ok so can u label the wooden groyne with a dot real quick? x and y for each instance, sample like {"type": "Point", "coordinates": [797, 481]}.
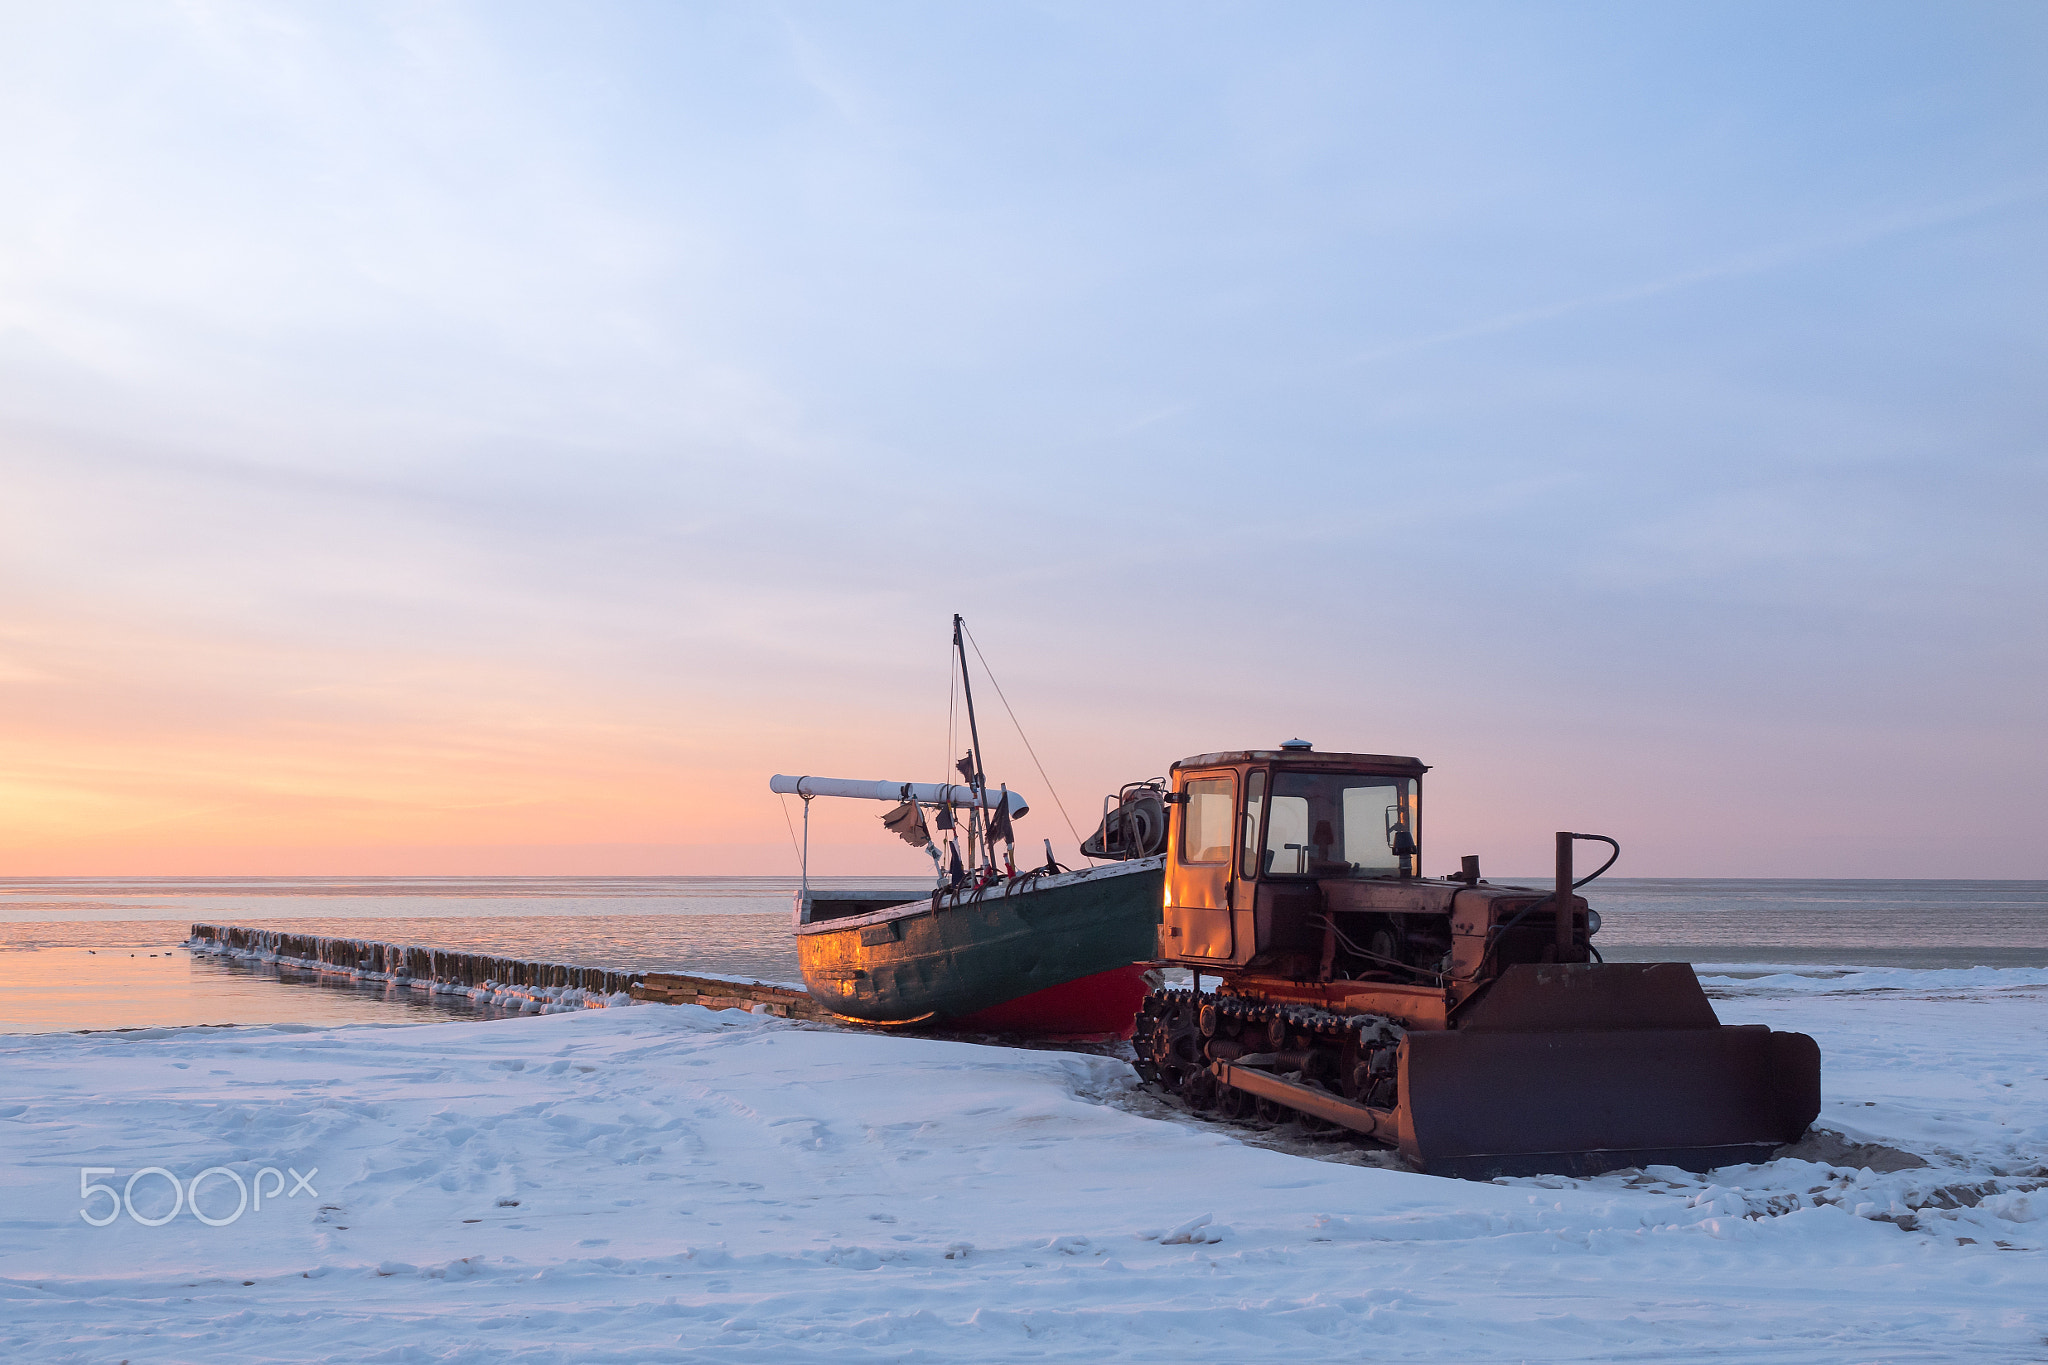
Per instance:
{"type": "Point", "coordinates": [437, 966]}
{"type": "Point", "coordinates": [503, 979]}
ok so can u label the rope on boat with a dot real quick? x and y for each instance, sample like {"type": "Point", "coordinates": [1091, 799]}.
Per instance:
{"type": "Point", "coordinates": [1021, 735]}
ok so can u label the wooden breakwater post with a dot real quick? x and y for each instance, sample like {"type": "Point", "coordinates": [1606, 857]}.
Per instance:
{"type": "Point", "coordinates": [447, 969]}
{"type": "Point", "coordinates": [670, 988]}
{"type": "Point", "coordinates": [415, 962]}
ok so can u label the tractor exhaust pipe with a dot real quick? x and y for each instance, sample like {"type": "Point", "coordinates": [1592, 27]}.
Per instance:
{"type": "Point", "coordinates": [1564, 896]}
{"type": "Point", "coordinates": [1567, 949]}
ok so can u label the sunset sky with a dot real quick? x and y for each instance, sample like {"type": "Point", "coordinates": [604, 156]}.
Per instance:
{"type": "Point", "coordinates": [494, 438]}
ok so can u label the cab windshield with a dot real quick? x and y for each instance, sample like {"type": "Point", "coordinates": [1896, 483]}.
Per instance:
{"type": "Point", "coordinates": [1336, 824]}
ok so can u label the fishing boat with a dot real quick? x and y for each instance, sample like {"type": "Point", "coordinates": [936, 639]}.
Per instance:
{"type": "Point", "coordinates": [1047, 952]}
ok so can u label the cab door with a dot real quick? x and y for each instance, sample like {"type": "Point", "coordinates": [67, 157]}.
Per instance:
{"type": "Point", "coordinates": [1197, 922]}
{"type": "Point", "coordinates": [1244, 898]}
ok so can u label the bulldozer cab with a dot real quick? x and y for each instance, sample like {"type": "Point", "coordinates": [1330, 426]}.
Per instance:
{"type": "Point", "coordinates": [1254, 832]}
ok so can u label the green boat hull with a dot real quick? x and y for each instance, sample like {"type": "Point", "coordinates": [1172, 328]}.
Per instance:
{"type": "Point", "coordinates": [1059, 955]}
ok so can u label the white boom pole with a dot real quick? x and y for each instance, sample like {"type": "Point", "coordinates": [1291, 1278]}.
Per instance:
{"type": "Point", "coordinates": [931, 793]}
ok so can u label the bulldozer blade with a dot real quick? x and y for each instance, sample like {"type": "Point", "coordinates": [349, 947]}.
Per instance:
{"type": "Point", "coordinates": [1479, 1103]}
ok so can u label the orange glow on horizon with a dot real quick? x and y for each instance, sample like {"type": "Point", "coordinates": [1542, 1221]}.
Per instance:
{"type": "Point", "coordinates": [231, 761]}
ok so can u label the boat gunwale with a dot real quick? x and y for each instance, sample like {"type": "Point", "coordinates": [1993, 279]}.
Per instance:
{"type": "Point", "coordinates": [1023, 885]}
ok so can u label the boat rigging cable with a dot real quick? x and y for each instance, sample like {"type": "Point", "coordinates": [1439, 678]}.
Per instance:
{"type": "Point", "coordinates": [1021, 735]}
{"type": "Point", "coordinates": [794, 847]}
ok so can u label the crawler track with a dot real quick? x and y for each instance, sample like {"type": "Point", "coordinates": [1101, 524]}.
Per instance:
{"type": "Point", "coordinates": [1180, 1033]}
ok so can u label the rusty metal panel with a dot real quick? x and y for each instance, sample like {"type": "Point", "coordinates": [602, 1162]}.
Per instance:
{"type": "Point", "coordinates": [1416, 1007]}
{"type": "Point", "coordinates": [1577, 997]}
{"type": "Point", "coordinates": [1387, 896]}
{"type": "Point", "coordinates": [1285, 917]}
{"type": "Point", "coordinates": [1510, 1102]}
{"type": "Point", "coordinates": [1309, 760]}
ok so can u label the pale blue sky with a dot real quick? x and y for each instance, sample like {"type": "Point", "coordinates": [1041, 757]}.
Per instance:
{"type": "Point", "coordinates": [1633, 410]}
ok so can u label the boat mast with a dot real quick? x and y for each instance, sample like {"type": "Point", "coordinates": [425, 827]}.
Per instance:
{"type": "Point", "coordinates": [974, 778]}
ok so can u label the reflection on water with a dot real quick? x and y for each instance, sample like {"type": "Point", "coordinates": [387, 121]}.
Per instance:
{"type": "Point", "coordinates": [52, 990]}
{"type": "Point", "coordinates": [70, 968]}
{"type": "Point", "coordinates": [70, 939]}
{"type": "Point", "coordinates": [758, 946]}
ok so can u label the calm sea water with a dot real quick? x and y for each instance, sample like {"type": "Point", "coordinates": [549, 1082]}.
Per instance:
{"type": "Point", "coordinates": [78, 953]}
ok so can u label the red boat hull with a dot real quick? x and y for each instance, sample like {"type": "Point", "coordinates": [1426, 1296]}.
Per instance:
{"type": "Point", "coordinates": [1104, 1005]}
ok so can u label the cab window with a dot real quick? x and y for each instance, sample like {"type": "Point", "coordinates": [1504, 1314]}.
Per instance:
{"type": "Point", "coordinates": [1337, 824]}
{"type": "Point", "coordinates": [1205, 826]}
{"type": "Point", "coordinates": [1254, 807]}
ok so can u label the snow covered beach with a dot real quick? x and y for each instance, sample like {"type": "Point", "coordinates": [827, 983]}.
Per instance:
{"type": "Point", "coordinates": [663, 1182]}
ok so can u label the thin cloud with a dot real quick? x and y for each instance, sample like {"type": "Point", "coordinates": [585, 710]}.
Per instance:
{"type": "Point", "coordinates": [1749, 263]}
